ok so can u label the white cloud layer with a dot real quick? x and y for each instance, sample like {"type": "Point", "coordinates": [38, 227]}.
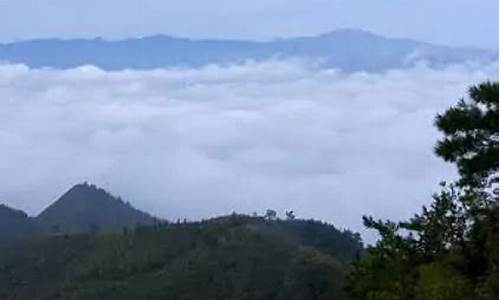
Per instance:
{"type": "Point", "coordinates": [199, 142]}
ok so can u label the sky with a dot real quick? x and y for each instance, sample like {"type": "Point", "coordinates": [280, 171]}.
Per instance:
{"type": "Point", "coordinates": [201, 142]}
{"type": "Point", "coordinates": [450, 22]}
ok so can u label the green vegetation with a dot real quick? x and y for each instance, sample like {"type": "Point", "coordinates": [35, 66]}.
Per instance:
{"type": "Point", "coordinates": [233, 257]}
{"type": "Point", "coordinates": [449, 250]}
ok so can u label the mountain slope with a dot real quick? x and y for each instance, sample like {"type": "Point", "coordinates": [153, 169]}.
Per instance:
{"type": "Point", "coordinates": [14, 224]}
{"type": "Point", "coordinates": [85, 208]}
{"type": "Point", "coordinates": [234, 257]}
{"type": "Point", "coordinates": [357, 50]}
{"type": "Point", "coordinates": [348, 49]}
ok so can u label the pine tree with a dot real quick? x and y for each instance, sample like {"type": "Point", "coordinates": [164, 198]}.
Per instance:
{"type": "Point", "coordinates": [449, 250]}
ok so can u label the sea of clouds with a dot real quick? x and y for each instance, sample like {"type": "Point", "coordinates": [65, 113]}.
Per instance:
{"type": "Point", "coordinates": [194, 143]}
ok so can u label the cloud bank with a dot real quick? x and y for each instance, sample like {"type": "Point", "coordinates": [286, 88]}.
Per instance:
{"type": "Point", "coordinates": [201, 142]}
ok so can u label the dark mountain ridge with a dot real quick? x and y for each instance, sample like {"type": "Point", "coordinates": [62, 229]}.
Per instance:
{"type": "Point", "coordinates": [347, 49]}
{"type": "Point", "coordinates": [86, 207]}
{"type": "Point", "coordinates": [15, 224]}
{"type": "Point", "coordinates": [229, 257]}
{"type": "Point", "coordinates": [82, 208]}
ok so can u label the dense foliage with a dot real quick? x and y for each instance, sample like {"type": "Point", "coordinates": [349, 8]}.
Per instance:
{"type": "Point", "coordinates": [234, 257]}
{"type": "Point", "coordinates": [450, 249]}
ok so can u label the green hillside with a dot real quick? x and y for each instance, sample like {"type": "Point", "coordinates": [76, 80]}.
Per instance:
{"type": "Point", "coordinates": [234, 257]}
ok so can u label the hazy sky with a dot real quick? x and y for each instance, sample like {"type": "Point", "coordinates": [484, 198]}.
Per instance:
{"type": "Point", "coordinates": [453, 22]}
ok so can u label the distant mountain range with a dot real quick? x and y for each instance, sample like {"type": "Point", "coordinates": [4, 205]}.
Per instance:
{"type": "Point", "coordinates": [347, 49]}
{"type": "Point", "coordinates": [83, 208]}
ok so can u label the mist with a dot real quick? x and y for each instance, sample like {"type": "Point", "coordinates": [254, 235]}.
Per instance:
{"type": "Point", "coordinates": [194, 143]}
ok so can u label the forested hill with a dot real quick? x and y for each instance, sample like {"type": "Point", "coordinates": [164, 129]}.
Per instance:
{"type": "Point", "coordinates": [83, 208]}
{"type": "Point", "coordinates": [86, 207]}
{"type": "Point", "coordinates": [233, 257]}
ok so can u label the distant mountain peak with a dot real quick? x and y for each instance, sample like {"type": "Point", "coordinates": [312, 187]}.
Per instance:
{"type": "Point", "coordinates": [349, 31]}
{"type": "Point", "coordinates": [86, 206]}
{"type": "Point", "coordinates": [86, 187]}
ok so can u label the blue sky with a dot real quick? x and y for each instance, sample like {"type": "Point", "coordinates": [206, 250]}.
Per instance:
{"type": "Point", "coordinates": [452, 22]}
